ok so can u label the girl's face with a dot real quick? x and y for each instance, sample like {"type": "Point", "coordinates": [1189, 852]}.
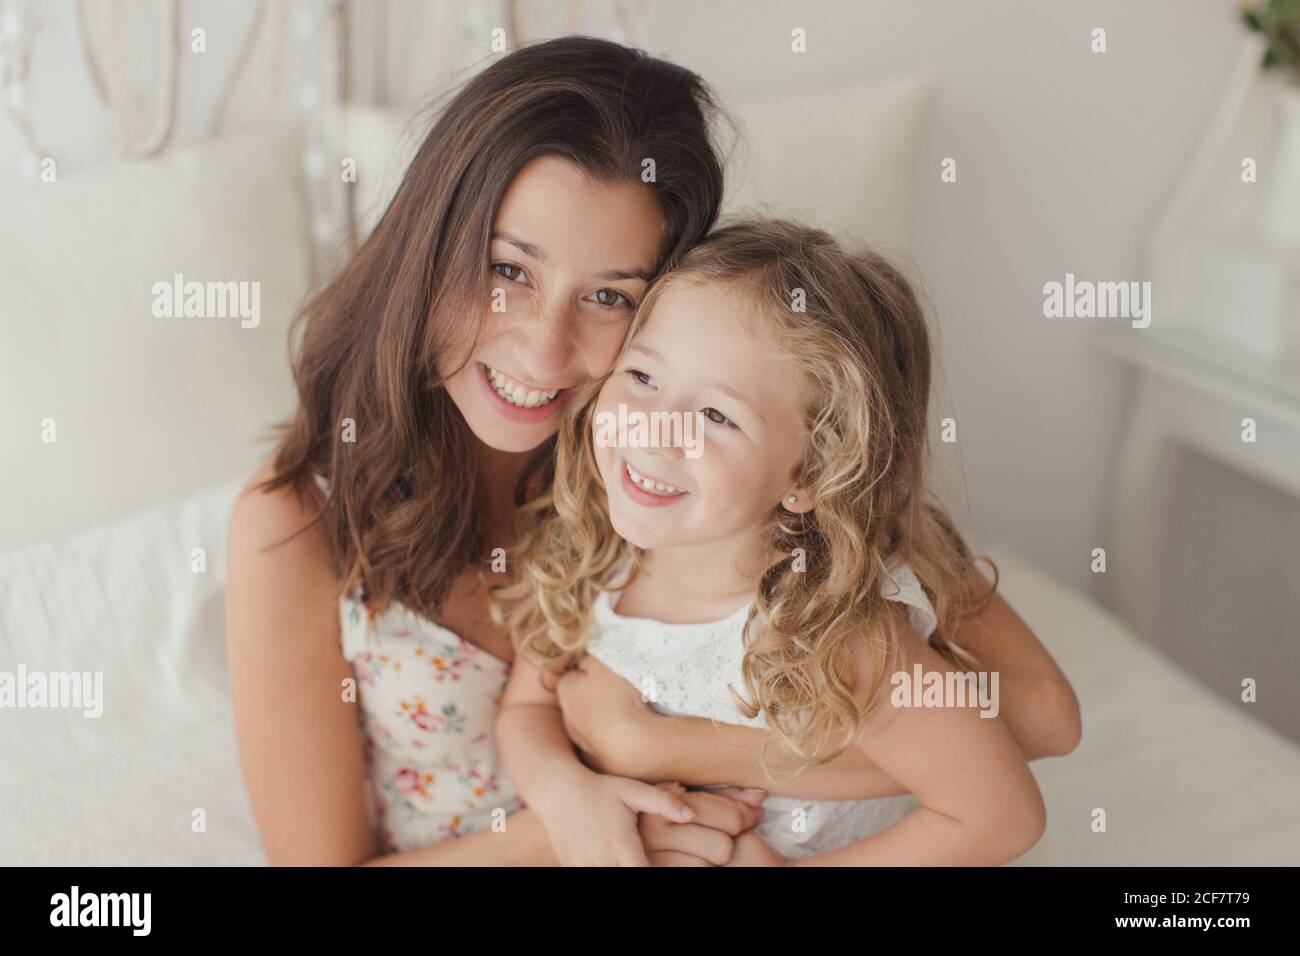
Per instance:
{"type": "Point", "coordinates": [570, 260]}
{"type": "Point", "coordinates": [702, 350]}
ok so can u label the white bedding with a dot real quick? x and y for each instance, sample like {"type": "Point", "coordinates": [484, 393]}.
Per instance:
{"type": "Point", "coordinates": [1184, 778]}
{"type": "Point", "coordinates": [122, 788]}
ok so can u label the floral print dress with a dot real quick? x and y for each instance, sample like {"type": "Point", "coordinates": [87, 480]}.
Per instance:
{"type": "Point", "coordinates": [427, 700]}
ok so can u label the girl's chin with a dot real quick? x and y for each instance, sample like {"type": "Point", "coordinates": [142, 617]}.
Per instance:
{"type": "Point", "coordinates": [643, 533]}
{"type": "Point", "coordinates": [633, 534]}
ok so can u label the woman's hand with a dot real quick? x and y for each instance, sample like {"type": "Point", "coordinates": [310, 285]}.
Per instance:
{"type": "Point", "coordinates": [591, 818]}
{"type": "Point", "coordinates": [753, 850]}
{"type": "Point", "coordinates": [721, 816]}
{"type": "Point", "coordinates": [606, 719]}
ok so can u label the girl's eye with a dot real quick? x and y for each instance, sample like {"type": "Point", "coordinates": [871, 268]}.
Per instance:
{"type": "Point", "coordinates": [508, 271]}
{"type": "Point", "coordinates": [715, 416]}
{"type": "Point", "coordinates": [612, 299]}
{"type": "Point", "coordinates": [641, 378]}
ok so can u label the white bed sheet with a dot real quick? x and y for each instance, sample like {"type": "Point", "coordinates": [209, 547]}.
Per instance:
{"type": "Point", "coordinates": [123, 788]}
{"type": "Point", "coordinates": [1184, 777]}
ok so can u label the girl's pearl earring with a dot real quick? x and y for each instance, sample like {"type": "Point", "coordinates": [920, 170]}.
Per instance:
{"type": "Point", "coordinates": [791, 500]}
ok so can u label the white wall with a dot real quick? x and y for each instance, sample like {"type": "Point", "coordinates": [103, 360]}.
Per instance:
{"type": "Point", "coordinates": [1064, 159]}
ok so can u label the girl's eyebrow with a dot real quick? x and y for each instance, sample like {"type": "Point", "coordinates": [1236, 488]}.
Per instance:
{"type": "Point", "coordinates": [729, 392]}
{"type": "Point", "coordinates": [533, 251]}
{"type": "Point", "coordinates": [645, 350]}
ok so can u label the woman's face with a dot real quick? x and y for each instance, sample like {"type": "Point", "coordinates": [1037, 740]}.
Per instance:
{"type": "Point", "coordinates": [570, 260]}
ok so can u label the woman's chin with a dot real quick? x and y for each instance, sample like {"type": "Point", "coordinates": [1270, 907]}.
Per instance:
{"type": "Point", "coordinates": [506, 436]}
{"type": "Point", "coordinates": [513, 441]}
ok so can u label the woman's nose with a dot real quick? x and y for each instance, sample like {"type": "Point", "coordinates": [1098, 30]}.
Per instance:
{"type": "Point", "coordinates": [552, 342]}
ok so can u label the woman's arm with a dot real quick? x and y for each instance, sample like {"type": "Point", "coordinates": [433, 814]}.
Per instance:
{"type": "Point", "coordinates": [980, 805]}
{"type": "Point", "coordinates": [299, 744]}
{"type": "Point", "coordinates": [1037, 702]}
{"type": "Point", "coordinates": [590, 818]}
{"type": "Point", "coordinates": [620, 734]}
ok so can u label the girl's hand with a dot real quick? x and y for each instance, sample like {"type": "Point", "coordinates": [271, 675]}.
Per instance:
{"type": "Point", "coordinates": [753, 850]}
{"type": "Point", "coordinates": [709, 840]}
{"type": "Point", "coordinates": [591, 818]}
{"type": "Point", "coordinates": [606, 718]}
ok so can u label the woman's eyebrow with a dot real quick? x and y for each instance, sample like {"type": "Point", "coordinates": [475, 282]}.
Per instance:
{"type": "Point", "coordinates": [617, 274]}
{"type": "Point", "coordinates": [535, 252]}
{"type": "Point", "coordinates": [527, 248]}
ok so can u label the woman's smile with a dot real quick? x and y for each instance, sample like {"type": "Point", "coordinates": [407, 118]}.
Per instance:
{"type": "Point", "coordinates": [516, 392]}
{"type": "Point", "coordinates": [517, 402]}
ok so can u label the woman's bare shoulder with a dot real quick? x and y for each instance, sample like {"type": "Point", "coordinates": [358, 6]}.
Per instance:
{"type": "Point", "coordinates": [275, 555]}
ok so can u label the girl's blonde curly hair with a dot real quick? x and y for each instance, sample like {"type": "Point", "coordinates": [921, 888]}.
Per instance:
{"type": "Point", "coordinates": [861, 341]}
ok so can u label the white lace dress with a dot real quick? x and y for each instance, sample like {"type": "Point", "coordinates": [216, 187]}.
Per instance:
{"type": "Point", "coordinates": [685, 670]}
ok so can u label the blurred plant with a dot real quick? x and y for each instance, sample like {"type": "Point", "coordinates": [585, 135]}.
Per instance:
{"type": "Point", "coordinates": [1279, 22]}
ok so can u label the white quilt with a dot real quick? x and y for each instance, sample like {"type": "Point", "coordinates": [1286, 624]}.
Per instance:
{"type": "Point", "coordinates": [123, 788]}
{"type": "Point", "coordinates": [1184, 778]}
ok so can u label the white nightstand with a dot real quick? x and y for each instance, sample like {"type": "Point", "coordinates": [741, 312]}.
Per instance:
{"type": "Point", "coordinates": [1188, 393]}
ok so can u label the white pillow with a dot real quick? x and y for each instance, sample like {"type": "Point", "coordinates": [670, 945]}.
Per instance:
{"type": "Point", "coordinates": [145, 409]}
{"type": "Point", "coordinates": [843, 157]}
{"type": "Point", "coordinates": [383, 142]}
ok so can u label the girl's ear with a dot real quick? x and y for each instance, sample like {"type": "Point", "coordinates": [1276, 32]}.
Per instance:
{"type": "Point", "coordinates": [797, 501]}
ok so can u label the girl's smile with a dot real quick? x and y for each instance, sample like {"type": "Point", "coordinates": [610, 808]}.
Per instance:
{"type": "Point", "coordinates": [644, 490]}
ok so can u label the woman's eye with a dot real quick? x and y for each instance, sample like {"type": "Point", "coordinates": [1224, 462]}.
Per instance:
{"type": "Point", "coordinates": [715, 416]}
{"type": "Point", "coordinates": [612, 299]}
{"type": "Point", "coordinates": [641, 378]}
{"type": "Point", "coordinates": [508, 271]}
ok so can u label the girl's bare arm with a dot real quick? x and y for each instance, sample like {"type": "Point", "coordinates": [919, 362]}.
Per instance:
{"type": "Point", "coordinates": [980, 805]}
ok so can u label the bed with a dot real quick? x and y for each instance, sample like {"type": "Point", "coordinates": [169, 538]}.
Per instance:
{"type": "Point", "coordinates": [1183, 777]}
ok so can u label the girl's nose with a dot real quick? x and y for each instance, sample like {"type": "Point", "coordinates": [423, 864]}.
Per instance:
{"type": "Point", "coordinates": [667, 429]}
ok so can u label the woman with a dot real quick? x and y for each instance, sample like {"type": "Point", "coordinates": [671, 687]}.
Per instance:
{"type": "Point", "coordinates": [431, 376]}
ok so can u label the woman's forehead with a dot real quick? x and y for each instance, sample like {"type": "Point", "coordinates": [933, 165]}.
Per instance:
{"type": "Point", "coordinates": [559, 215]}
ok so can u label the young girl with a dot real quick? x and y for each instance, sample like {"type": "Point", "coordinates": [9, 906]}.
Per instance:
{"type": "Point", "coordinates": [762, 577]}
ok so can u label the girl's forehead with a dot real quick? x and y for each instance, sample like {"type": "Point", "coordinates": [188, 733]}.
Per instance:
{"type": "Point", "coordinates": [719, 311]}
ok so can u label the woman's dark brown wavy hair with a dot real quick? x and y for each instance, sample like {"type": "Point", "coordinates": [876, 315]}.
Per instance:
{"type": "Point", "coordinates": [403, 512]}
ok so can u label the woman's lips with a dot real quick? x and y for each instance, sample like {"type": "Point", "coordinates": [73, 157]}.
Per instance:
{"type": "Point", "coordinates": [520, 413]}
{"type": "Point", "coordinates": [642, 496]}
